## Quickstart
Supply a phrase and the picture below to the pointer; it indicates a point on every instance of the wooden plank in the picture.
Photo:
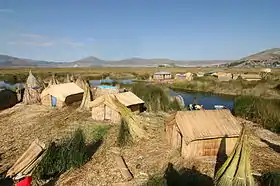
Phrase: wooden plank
(123, 168)
(29, 156)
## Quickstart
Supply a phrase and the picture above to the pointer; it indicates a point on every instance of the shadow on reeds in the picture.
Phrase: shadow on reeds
(275, 147)
(8, 99)
(93, 147)
(5, 181)
(221, 155)
(183, 177)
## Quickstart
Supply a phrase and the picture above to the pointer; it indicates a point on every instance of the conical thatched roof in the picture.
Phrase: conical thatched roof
(31, 81)
(81, 83)
(53, 81)
(237, 169)
(85, 105)
(32, 90)
(72, 78)
(67, 80)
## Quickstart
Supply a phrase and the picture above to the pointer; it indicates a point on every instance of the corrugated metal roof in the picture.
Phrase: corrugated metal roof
(207, 124)
(61, 91)
(162, 73)
(128, 98)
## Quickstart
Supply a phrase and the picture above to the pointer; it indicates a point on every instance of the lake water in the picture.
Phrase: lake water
(4, 85)
(206, 99)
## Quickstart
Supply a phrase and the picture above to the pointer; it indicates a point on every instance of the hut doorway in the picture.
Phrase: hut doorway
(53, 101)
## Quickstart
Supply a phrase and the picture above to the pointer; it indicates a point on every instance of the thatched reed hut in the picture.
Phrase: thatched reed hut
(32, 90)
(104, 90)
(87, 98)
(223, 76)
(106, 108)
(67, 79)
(202, 133)
(53, 81)
(81, 83)
(187, 76)
(61, 95)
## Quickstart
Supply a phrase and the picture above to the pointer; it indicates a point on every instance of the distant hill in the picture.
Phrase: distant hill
(9, 61)
(266, 58)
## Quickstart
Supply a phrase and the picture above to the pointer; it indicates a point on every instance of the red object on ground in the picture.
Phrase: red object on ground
(25, 182)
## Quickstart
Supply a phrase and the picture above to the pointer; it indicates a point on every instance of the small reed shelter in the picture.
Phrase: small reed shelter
(61, 95)
(107, 107)
(202, 133)
(223, 76)
(162, 75)
(32, 90)
(187, 76)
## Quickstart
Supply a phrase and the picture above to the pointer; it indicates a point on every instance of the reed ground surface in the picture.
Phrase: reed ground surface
(22, 124)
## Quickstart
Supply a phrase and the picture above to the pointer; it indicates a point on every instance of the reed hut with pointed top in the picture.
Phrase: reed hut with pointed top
(61, 95)
(87, 98)
(32, 90)
(67, 79)
(81, 83)
(200, 133)
(53, 81)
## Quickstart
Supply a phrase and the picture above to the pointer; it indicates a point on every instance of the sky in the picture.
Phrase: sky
(68, 30)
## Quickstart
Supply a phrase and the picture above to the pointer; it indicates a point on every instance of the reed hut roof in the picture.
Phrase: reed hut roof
(128, 98)
(32, 81)
(205, 124)
(81, 83)
(62, 91)
(53, 81)
(125, 98)
(107, 99)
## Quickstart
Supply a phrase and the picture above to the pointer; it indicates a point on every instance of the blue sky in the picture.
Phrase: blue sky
(67, 30)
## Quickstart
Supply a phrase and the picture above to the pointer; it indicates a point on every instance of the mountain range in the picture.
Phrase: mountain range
(266, 58)
(270, 57)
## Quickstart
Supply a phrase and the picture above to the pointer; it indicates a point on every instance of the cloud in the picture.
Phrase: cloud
(43, 44)
(72, 43)
(6, 10)
(32, 43)
(33, 36)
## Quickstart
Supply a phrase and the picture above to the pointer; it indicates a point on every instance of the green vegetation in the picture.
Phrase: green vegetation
(264, 88)
(124, 137)
(70, 152)
(58, 158)
(271, 179)
(263, 111)
(99, 132)
(155, 97)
